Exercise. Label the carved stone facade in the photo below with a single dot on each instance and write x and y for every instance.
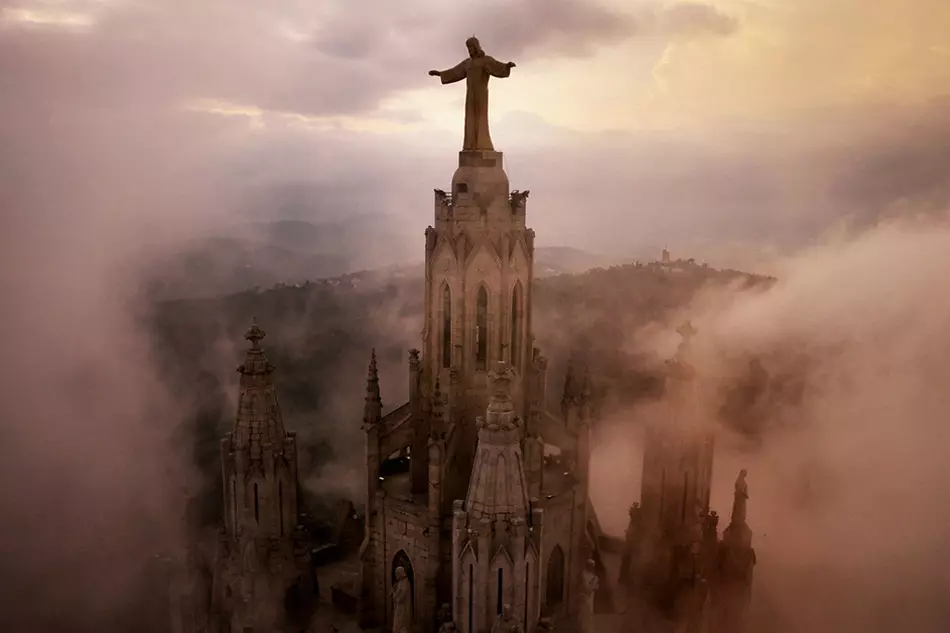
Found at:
(678, 574)
(263, 561)
(423, 491)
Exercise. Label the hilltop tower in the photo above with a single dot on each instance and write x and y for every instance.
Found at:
(422, 456)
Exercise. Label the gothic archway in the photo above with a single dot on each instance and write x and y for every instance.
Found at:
(554, 585)
(401, 559)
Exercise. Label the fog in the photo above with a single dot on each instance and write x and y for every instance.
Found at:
(108, 169)
(846, 485)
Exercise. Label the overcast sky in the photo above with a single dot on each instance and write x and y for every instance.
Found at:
(718, 127)
(725, 129)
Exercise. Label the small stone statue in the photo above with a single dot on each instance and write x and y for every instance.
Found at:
(742, 486)
(402, 597)
(545, 626)
(445, 613)
(589, 586)
(741, 498)
(506, 622)
(447, 627)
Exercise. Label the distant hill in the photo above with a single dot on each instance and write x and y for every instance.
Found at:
(319, 335)
(290, 252)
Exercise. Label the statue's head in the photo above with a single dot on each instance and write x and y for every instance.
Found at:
(400, 573)
(742, 473)
(474, 47)
(506, 610)
(591, 565)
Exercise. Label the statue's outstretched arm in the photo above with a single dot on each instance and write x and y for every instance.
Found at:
(450, 76)
(498, 69)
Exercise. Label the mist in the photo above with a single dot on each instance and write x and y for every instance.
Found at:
(130, 129)
(846, 480)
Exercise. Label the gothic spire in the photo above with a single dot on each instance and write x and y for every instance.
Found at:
(373, 409)
(258, 423)
(498, 485)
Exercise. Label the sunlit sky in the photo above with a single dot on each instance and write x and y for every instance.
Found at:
(752, 82)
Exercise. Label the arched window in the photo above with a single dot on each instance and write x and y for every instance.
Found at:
(501, 590)
(447, 327)
(517, 324)
(280, 505)
(481, 329)
(257, 505)
(471, 596)
(527, 591)
(554, 589)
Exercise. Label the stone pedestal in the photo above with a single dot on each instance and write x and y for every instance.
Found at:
(480, 174)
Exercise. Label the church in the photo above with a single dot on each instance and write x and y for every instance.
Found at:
(480, 519)
(477, 509)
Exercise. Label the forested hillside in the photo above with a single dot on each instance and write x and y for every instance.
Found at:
(319, 336)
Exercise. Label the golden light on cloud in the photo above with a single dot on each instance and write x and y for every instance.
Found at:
(783, 57)
(259, 119)
(50, 18)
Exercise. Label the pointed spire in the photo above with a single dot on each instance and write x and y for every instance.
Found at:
(259, 421)
(373, 409)
(497, 485)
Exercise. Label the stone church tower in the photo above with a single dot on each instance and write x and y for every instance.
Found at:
(679, 576)
(263, 559)
(422, 455)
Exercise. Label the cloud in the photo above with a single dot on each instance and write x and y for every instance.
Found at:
(848, 529)
(691, 18)
(103, 168)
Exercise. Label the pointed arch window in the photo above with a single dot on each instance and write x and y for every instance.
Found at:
(446, 327)
(257, 505)
(280, 503)
(517, 324)
(481, 329)
(501, 590)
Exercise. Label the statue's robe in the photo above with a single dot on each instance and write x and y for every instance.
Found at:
(476, 71)
(402, 616)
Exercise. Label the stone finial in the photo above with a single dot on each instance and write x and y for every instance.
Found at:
(255, 334)
(501, 378)
(414, 356)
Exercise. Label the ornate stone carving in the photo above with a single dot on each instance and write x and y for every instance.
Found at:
(506, 622)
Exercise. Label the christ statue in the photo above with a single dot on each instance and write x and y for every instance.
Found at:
(475, 70)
